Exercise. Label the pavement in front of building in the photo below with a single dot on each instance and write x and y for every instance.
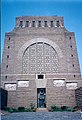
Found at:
(42, 116)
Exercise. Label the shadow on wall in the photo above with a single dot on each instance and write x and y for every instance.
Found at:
(3, 98)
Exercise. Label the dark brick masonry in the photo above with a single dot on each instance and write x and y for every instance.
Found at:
(78, 94)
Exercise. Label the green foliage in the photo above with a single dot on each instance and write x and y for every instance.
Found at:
(21, 109)
(63, 108)
(69, 109)
(9, 109)
(32, 107)
(28, 110)
(76, 108)
(15, 110)
(55, 108)
(73, 109)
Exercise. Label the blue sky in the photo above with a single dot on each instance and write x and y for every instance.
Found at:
(71, 10)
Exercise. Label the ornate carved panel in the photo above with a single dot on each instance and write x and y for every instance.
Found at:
(59, 83)
(71, 85)
(40, 58)
(23, 83)
(10, 86)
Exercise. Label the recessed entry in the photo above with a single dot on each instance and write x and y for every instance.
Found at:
(41, 97)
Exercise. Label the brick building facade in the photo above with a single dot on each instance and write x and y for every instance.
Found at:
(40, 63)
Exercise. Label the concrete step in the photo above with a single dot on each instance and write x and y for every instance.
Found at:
(42, 110)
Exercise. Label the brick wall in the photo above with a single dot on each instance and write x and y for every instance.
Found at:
(15, 66)
(78, 94)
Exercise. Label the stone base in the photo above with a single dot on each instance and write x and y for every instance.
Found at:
(42, 110)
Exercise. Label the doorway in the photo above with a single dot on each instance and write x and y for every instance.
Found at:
(41, 97)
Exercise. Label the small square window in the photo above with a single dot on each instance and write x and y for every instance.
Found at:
(33, 23)
(39, 23)
(27, 23)
(70, 46)
(40, 76)
(6, 66)
(7, 56)
(8, 47)
(71, 55)
(73, 65)
(45, 23)
(5, 77)
(21, 23)
(57, 23)
(74, 75)
(52, 25)
(70, 38)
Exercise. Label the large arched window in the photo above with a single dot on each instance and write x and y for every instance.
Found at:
(40, 58)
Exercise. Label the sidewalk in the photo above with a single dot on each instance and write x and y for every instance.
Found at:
(42, 116)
